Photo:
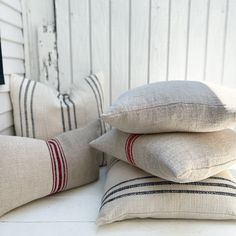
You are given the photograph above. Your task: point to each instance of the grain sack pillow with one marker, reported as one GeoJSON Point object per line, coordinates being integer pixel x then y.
{"type": "Point", "coordinates": [169, 106]}
{"type": "Point", "coordinates": [178, 157]}
{"type": "Point", "coordinates": [33, 168]}
{"type": "Point", "coordinates": [42, 112]}
{"type": "Point", "coordinates": [131, 193]}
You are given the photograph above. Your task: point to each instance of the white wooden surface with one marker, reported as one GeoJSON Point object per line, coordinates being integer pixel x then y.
{"type": "Point", "coordinates": [139, 41]}
{"type": "Point", "coordinates": [11, 28]}
{"type": "Point", "coordinates": [74, 213]}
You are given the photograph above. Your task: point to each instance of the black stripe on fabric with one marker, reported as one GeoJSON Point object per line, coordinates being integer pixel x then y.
{"type": "Point", "coordinates": [20, 107]}
{"type": "Point", "coordinates": [129, 180]}
{"type": "Point", "coordinates": [169, 183]}
{"type": "Point", "coordinates": [221, 178]}
{"type": "Point", "coordinates": [68, 110]}
{"type": "Point", "coordinates": [74, 111]}
{"type": "Point", "coordinates": [62, 117]}
{"type": "Point", "coordinates": [169, 191]}
{"type": "Point", "coordinates": [100, 104]}
{"type": "Point", "coordinates": [86, 79]}
{"type": "Point", "coordinates": [32, 110]}
{"type": "Point", "coordinates": [2, 81]}
{"type": "Point", "coordinates": [25, 108]}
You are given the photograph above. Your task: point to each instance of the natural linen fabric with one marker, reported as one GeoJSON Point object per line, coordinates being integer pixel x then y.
{"type": "Point", "coordinates": [33, 168]}
{"type": "Point", "coordinates": [131, 193]}
{"type": "Point", "coordinates": [42, 112]}
{"type": "Point", "coordinates": [173, 106]}
{"type": "Point", "coordinates": [179, 157]}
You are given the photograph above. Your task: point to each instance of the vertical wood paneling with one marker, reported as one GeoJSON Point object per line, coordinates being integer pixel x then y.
{"type": "Point", "coordinates": [197, 36]}
{"type": "Point", "coordinates": [100, 41]}
{"type": "Point", "coordinates": [178, 39]}
{"type": "Point", "coordinates": [229, 73]}
{"type": "Point", "coordinates": [64, 44]}
{"type": "Point", "coordinates": [215, 44]}
{"type": "Point", "coordinates": [158, 40]}
{"type": "Point", "coordinates": [80, 38]}
{"type": "Point", "coordinates": [139, 42]}
{"type": "Point", "coordinates": [119, 47]}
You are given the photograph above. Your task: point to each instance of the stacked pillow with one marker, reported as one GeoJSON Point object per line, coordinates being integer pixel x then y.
{"type": "Point", "coordinates": [179, 132]}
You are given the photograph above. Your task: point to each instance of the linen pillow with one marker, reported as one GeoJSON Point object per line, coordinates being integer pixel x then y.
{"type": "Point", "coordinates": [33, 168]}
{"type": "Point", "coordinates": [173, 106]}
{"type": "Point", "coordinates": [179, 157]}
{"type": "Point", "coordinates": [42, 112]}
{"type": "Point", "coordinates": [131, 193]}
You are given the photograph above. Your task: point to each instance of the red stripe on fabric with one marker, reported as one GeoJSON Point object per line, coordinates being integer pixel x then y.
{"type": "Point", "coordinates": [59, 163]}
{"type": "Point", "coordinates": [129, 146]}
{"type": "Point", "coordinates": [64, 162]}
{"type": "Point", "coordinates": [52, 166]}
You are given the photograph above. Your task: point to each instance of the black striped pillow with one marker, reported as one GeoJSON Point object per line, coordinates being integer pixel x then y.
{"type": "Point", "coordinates": [132, 193]}
{"type": "Point", "coordinates": [41, 112]}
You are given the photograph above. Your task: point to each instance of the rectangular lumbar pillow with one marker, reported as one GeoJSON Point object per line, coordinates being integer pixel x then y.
{"type": "Point", "coordinates": [174, 106]}
{"type": "Point", "coordinates": [131, 193]}
{"type": "Point", "coordinates": [33, 168]}
{"type": "Point", "coordinates": [42, 112]}
{"type": "Point", "coordinates": [179, 157]}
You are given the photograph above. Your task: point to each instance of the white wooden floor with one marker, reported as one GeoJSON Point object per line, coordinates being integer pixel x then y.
{"type": "Point", "coordinates": [74, 213]}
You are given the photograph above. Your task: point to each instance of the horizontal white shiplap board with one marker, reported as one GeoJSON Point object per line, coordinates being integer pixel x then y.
{"type": "Point", "coordinates": [5, 102]}
{"type": "Point", "coordinates": [8, 131]}
{"type": "Point", "coordinates": [8, 15]}
{"type": "Point", "coordinates": [11, 33]}
{"type": "Point", "coordinates": [12, 50]}
{"type": "Point", "coordinates": [14, 4]}
{"type": "Point", "coordinates": [6, 120]}
{"type": "Point", "coordinates": [13, 66]}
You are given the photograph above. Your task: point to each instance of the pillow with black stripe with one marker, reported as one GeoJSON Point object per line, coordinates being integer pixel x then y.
{"type": "Point", "coordinates": [42, 112]}
{"type": "Point", "coordinates": [131, 193]}
{"type": "Point", "coordinates": [33, 168]}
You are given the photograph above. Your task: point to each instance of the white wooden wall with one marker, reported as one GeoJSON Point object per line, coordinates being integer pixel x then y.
{"type": "Point", "coordinates": [11, 27]}
{"type": "Point", "coordinates": [140, 41]}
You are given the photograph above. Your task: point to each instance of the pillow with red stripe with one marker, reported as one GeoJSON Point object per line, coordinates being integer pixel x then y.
{"type": "Point", "coordinates": [178, 157]}
{"type": "Point", "coordinates": [42, 112]}
{"type": "Point", "coordinates": [33, 168]}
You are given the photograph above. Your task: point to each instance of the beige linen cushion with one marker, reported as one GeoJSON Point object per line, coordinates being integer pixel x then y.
{"type": "Point", "coordinates": [179, 157]}
{"type": "Point", "coordinates": [173, 106]}
{"type": "Point", "coordinates": [131, 193]}
{"type": "Point", "coordinates": [33, 168]}
{"type": "Point", "coordinates": [42, 112]}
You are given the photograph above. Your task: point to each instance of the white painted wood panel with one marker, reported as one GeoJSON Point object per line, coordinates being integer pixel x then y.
{"type": "Point", "coordinates": [215, 42]}
{"type": "Point", "coordinates": [80, 38]}
{"type": "Point", "coordinates": [139, 28]}
{"type": "Point", "coordinates": [158, 40]}
{"type": "Point", "coordinates": [119, 77]}
{"type": "Point", "coordinates": [12, 50]}
{"type": "Point", "coordinates": [100, 41]}
{"type": "Point", "coordinates": [10, 16]}
{"type": "Point", "coordinates": [178, 39]}
{"type": "Point", "coordinates": [64, 44]}
{"type": "Point", "coordinates": [11, 33]}
{"type": "Point", "coordinates": [197, 39]}
{"type": "Point", "coordinates": [229, 67]}
{"type": "Point", "coordinates": [134, 42]}
{"type": "Point", "coordinates": [13, 57]}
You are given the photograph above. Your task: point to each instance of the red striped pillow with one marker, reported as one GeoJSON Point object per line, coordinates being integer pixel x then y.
{"type": "Point", "coordinates": [33, 168]}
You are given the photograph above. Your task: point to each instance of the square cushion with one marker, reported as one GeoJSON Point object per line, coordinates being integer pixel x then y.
{"type": "Point", "coordinates": [173, 106]}
{"type": "Point", "coordinates": [179, 157]}
{"type": "Point", "coordinates": [42, 112]}
{"type": "Point", "coordinates": [131, 193]}
{"type": "Point", "coordinates": [33, 168]}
